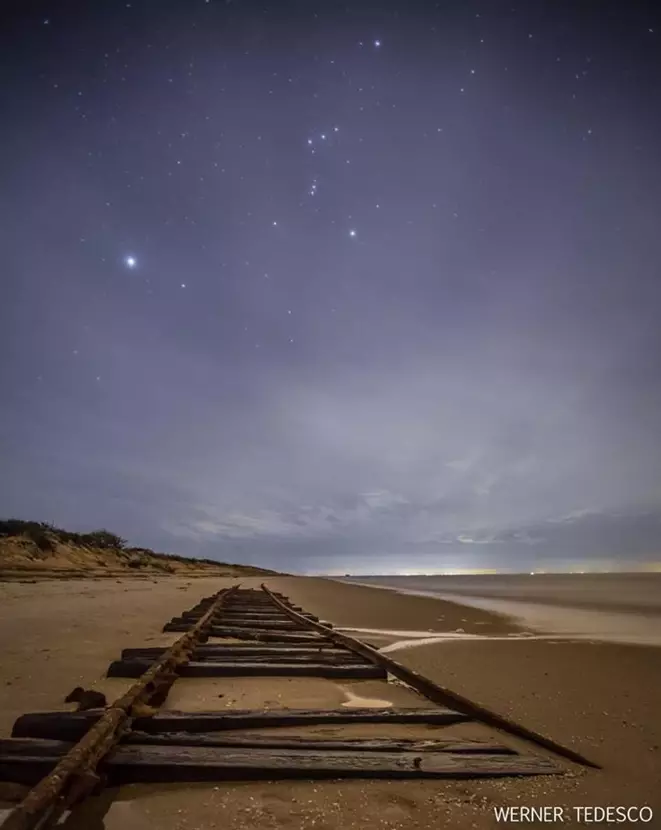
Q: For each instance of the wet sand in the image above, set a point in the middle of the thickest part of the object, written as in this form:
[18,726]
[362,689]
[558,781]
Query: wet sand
[601,699]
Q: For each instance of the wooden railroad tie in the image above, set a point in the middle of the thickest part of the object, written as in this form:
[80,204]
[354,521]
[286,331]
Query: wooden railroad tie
[213,668]
[155,763]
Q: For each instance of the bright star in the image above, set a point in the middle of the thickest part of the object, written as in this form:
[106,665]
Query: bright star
[377,43]
[130,261]
[352,233]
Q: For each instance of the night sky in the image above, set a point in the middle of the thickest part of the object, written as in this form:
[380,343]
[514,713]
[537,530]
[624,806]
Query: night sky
[335,286]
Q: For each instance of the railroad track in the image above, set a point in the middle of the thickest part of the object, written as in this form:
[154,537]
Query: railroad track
[66,756]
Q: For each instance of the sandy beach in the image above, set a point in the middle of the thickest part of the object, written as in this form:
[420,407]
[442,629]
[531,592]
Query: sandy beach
[600,698]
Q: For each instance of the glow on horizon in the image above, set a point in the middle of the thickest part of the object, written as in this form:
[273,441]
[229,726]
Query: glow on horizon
[560,569]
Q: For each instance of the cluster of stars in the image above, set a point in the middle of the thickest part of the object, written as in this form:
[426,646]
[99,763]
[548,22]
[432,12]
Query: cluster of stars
[323,151]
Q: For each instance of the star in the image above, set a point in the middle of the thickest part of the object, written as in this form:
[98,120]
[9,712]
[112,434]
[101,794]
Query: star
[377,43]
[130,261]
[352,232]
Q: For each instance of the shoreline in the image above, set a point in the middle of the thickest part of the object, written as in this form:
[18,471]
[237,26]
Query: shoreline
[621,624]
[632,592]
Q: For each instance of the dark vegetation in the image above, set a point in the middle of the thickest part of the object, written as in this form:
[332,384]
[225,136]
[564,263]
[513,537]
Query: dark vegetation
[46,537]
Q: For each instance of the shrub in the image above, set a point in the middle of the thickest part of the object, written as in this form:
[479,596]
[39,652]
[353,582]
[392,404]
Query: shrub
[37,532]
[104,539]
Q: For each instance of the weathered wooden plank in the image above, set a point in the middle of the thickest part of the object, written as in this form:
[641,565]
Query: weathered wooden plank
[280,633]
[238,615]
[326,659]
[30,747]
[269,605]
[266,612]
[242,623]
[150,764]
[266,636]
[278,659]
[246,649]
[271,608]
[69,726]
[249,615]
[256,621]
[289,628]
[135,668]
[302,742]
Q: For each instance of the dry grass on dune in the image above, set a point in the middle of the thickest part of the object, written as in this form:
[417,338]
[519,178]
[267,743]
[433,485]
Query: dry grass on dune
[36,549]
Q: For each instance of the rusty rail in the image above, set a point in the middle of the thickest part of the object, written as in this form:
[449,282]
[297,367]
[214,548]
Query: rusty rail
[432,691]
[74,777]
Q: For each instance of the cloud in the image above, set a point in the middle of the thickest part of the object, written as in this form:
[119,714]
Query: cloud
[383,500]
[462,465]
[472,540]
[450,452]
[573,515]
